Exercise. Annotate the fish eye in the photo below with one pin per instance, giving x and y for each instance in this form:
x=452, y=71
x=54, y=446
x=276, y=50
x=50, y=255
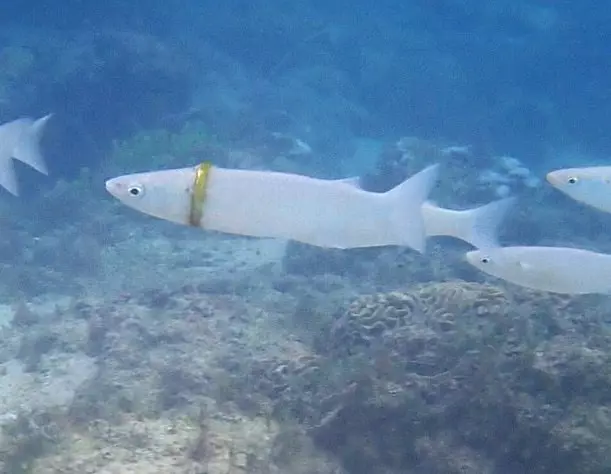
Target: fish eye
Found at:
x=485, y=260
x=572, y=180
x=135, y=190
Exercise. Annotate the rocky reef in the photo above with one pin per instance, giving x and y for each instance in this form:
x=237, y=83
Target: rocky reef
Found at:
x=309, y=374
x=136, y=346
x=182, y=351
x=456, y=377
x=100, y=386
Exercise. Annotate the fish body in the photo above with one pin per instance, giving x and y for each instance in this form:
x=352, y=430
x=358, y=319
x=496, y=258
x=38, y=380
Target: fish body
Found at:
x=324, y=213
x=20, y=140
x=553, y=269
x=477, y=226
x=591, y=185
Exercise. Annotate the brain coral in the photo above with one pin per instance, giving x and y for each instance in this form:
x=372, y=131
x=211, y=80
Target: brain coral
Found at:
x=427, y=311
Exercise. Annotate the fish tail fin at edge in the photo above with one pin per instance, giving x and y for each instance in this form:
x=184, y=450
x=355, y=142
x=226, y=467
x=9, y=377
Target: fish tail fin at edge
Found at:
x=480, y=226
x=8, y=178
x=28, y=149
x=407, y=200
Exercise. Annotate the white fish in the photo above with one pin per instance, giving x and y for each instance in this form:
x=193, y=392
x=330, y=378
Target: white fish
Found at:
x=553, y=269
x=325, y=213
x=20, y=139
x=590, y=185
x=477, y=226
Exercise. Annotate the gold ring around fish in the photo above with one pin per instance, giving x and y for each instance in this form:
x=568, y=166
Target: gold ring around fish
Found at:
x=198, y=196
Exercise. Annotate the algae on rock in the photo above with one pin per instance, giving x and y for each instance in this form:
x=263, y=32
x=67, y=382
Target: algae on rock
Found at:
x=151, y=149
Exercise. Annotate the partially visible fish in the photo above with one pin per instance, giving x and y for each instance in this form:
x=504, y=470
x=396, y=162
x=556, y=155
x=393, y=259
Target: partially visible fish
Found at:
x=20, y=140
x=320, y=212
x=477, y=226
x=325, y=213
x=553, y=269
x=591, y=186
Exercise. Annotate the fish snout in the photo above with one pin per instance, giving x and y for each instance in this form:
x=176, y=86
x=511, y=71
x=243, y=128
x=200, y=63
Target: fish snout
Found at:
x=113, y=186
x=470, y=257
x=553, y=178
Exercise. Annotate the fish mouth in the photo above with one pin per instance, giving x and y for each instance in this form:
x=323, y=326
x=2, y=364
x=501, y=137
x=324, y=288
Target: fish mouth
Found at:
x=111, y=186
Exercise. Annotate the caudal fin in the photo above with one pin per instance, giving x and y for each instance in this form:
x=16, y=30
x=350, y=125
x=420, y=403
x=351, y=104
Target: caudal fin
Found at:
x=406, y=200
x=8, y=178
x=28, y=149
x=478, y=226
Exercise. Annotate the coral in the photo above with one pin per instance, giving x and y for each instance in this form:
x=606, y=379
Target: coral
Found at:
x=401, y=159
x=508, y=176
x=158, y=391
x=442, y=309
x=365, y=268
x=437, y=371
x=155, y=406
x=467, y=173
x=31, y=391
x=26, y=437
x=23, y=316
x=574, y=368
x=442, y=453
x=208, y=354
x=235, y=445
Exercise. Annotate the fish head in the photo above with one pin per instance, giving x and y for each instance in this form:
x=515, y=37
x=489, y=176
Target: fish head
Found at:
x=164, y=194
x=532, y=267
x=485, y=260
x=590, y=186
x=507, y=263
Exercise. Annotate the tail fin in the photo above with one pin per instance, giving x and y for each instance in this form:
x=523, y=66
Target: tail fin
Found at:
x=478, y=226
x=28, y=149
x=406, y=214
x=8, y=178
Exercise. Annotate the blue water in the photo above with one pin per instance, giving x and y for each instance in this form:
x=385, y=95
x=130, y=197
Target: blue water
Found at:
x=520, y=78
x=329, y=89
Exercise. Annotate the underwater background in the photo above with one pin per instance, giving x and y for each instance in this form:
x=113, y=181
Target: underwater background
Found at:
x=132, y=345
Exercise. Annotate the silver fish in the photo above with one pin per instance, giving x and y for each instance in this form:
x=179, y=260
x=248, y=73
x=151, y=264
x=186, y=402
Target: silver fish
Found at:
x=325, y=213
x=591, y=186
x=553, y=269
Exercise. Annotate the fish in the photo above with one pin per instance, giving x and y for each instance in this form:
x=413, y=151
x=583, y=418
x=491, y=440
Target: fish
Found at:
x=590, y=185
x=319, y=212
x=564, y=270
x=476, y=226
x=325, y=213
x=20, y=139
